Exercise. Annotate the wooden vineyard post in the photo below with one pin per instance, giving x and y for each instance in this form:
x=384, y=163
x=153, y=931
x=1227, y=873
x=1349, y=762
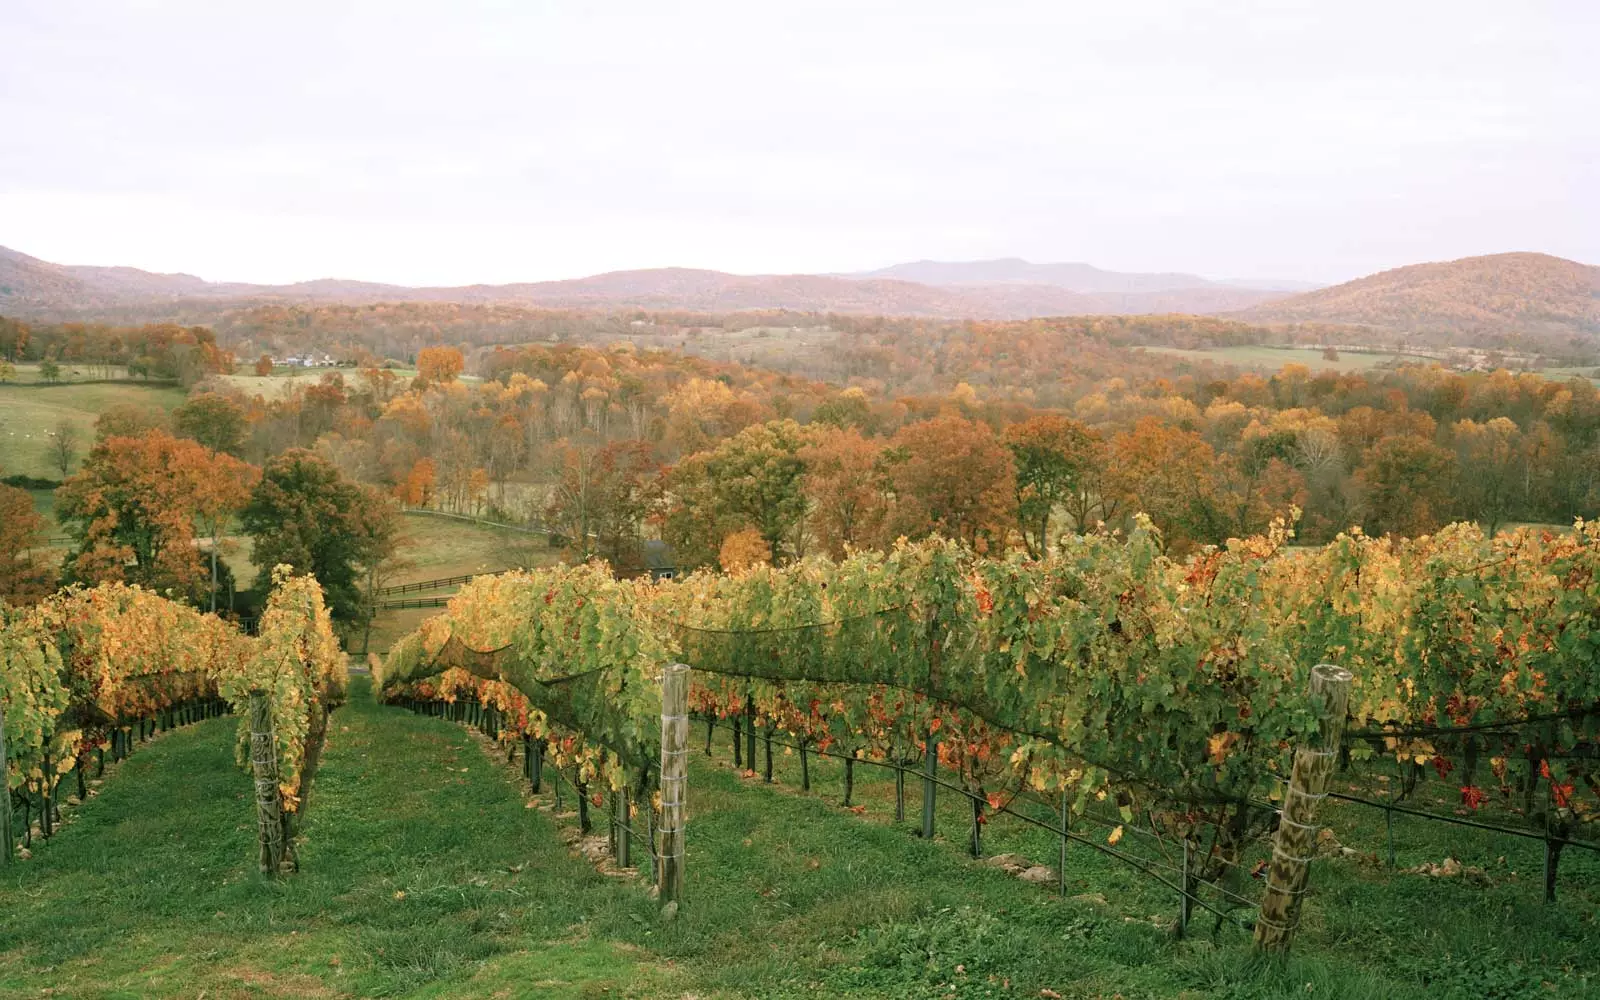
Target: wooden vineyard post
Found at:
x=674, y=778
x=5, y=796
x=1296, y=839
x=1061, y=867
x=264, y=762
x=624, y=834
x=930, y=763
x=750, y=727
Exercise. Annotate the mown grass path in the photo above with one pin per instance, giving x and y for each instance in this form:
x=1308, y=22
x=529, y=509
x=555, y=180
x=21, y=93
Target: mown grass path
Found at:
x=420, y=862
x=425, y=874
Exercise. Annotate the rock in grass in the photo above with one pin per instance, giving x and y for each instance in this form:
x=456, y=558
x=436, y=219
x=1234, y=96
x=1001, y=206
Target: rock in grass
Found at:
x=1008, y=861
x=1038, y=873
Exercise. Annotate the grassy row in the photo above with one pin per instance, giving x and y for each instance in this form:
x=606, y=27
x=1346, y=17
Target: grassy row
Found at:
x=426, y=874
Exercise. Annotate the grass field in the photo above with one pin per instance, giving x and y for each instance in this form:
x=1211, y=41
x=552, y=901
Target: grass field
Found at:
x=441, y=547
x=426, y=874
x=1270, y=359
x=283, y=378
x=28, y=415
x=1274, y=358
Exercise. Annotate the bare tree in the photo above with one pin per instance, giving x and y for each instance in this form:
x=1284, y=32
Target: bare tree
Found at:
x=63, y=447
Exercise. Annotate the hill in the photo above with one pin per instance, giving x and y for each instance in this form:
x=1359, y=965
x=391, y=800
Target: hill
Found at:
x=1075, y=277
x=1514, y=300
x=38, y=289
x=1113, y=292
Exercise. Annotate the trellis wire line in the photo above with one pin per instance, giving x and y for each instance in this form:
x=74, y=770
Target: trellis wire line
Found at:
x=1509, y=723
x=1462, y=821
x=554, y=771
x=863, y=616
x=1139, y=864
x=961, y=790
x=1162, y=863
x=1110, y=822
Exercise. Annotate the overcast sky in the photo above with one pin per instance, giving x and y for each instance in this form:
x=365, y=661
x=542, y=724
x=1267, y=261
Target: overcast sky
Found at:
x=456, y=142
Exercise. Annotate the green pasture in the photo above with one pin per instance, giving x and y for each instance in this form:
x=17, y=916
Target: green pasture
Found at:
x=28, y=414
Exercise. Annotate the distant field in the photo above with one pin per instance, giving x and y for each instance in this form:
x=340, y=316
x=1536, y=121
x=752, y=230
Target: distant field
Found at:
x=28, y=373
x=28, y=415
x=441, y=547
x=283, y=378
x=1273, y=358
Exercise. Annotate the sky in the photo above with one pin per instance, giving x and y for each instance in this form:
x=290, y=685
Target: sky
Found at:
x=452, y=143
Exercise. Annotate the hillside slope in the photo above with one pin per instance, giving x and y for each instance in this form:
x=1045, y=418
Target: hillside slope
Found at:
x=1510, y=299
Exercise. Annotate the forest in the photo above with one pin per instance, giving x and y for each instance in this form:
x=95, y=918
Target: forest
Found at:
x=1000, y=435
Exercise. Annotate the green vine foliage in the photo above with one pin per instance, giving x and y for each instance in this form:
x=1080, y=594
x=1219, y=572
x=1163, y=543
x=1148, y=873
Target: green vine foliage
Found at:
x=297, y=663
x=88, y=660
x=1106, y=670
x=32, y=695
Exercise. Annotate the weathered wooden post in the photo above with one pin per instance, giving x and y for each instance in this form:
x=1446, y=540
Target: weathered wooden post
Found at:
x=624, y=845
x=5, y=796
x=1186, y=897
x=1061, y=866
x=1296, y=839
x=264, y=762
x=674, y=778
x=930, y=762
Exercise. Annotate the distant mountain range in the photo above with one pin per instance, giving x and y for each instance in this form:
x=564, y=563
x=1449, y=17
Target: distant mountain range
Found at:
x=1075, y=277
x=1535, y=300
x=981, y=289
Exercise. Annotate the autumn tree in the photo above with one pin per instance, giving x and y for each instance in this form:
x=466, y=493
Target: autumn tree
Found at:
x=24, y=576
x=1054, y=458
x=439, y=364
x=264, y=365
x=305, y=514
x=49, y=370
x=416, y=490
x=133, y=507
x=743, y=550
x=1259, y=482
x=1168, y=472
x=128, y=420
x=14, y=335
x=850, y=408
x=1489, y=457
x=754, y=479
x=602, y=499
x=845, y=485
x=1407, y=485
x=214, y=420
x=951, y=476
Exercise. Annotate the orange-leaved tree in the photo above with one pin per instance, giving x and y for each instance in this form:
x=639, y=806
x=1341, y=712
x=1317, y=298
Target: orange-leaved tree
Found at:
x=24, y=577
x=844, y=483
x=439, y=364
x=133, y=506
x=952, y=477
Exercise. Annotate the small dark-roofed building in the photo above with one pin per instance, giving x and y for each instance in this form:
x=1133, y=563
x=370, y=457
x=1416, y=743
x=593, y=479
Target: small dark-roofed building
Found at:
x=659, y=559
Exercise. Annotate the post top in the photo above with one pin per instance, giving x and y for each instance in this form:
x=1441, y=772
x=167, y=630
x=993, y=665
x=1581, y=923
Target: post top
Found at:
x=1331, y=672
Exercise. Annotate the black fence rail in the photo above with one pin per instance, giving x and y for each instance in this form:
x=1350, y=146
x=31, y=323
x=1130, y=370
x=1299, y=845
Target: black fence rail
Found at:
x=414, y=602
x=436, y=584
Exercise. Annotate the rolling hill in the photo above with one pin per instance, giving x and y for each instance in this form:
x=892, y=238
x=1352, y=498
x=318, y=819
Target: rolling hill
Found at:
x=1510, y=299
x=1520, y=301
x=34, y=288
